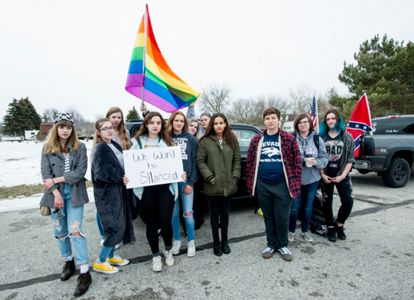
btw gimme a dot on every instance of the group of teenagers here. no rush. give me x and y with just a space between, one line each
283 171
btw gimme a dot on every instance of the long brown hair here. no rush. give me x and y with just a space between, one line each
97 139
228 135
53 145
299 118
170 128
125 142
162 134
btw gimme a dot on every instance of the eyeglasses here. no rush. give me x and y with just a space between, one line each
303 122
107 128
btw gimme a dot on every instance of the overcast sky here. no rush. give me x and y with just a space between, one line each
76 53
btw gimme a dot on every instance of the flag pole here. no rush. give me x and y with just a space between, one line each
317 116
144 54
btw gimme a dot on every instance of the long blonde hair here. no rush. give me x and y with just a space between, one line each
97 139
125 142
53 145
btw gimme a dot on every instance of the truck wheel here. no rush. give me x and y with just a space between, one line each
397 174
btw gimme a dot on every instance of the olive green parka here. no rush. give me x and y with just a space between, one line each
221 162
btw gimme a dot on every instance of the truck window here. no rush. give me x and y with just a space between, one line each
244 136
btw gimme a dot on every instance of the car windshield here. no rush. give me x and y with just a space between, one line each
244 136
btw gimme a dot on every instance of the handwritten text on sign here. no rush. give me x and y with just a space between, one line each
153 166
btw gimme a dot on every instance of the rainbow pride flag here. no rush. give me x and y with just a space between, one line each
149 76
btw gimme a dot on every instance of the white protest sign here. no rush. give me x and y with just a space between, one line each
153 166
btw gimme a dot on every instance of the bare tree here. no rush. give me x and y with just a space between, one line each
77 117
49 114
215 98
244 111
302 98
250 110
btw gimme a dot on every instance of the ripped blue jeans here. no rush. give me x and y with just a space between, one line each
67 221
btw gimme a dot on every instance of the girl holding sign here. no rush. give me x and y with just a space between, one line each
157 201
218 160
109 180
177 128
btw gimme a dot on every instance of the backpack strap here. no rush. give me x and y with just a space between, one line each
139 142
316 140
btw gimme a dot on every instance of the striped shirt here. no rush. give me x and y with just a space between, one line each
67 162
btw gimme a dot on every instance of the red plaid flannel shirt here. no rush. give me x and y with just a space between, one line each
291 161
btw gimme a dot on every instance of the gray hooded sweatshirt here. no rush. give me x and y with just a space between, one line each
307 146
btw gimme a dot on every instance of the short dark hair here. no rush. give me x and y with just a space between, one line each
207 114
270 111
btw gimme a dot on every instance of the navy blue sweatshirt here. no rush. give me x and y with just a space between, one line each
189 147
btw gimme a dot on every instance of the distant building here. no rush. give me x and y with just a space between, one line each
288 122
44 130
30 135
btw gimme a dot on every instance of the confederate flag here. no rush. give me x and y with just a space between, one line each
359 122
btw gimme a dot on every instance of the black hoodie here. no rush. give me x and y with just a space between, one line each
189 147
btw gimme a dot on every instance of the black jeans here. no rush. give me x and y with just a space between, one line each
200 206
275 201
219 214
157 206
345 194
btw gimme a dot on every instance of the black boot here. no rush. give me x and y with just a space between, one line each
225 248
340 232
84 281
331 234
217 250
68 270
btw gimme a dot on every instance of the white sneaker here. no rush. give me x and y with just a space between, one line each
169 259
291 236
176 247
156 264
307 237
191 249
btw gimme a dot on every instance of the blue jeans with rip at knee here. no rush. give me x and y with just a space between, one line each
305 200
187 200
66 222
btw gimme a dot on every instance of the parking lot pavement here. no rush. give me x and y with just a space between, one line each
375 262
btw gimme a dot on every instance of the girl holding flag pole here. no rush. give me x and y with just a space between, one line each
177 128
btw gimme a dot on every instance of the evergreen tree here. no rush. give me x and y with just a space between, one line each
384 70
133 115
21 115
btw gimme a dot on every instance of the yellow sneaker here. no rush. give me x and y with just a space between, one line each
117 261
260 212
104 267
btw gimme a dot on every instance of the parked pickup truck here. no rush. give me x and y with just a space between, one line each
244 134
390 150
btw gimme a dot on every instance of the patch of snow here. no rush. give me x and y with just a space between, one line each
20 163
17 204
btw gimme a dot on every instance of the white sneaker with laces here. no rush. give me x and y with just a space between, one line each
176 247
307 237
191 249
285 253
291 236
169 259
156 264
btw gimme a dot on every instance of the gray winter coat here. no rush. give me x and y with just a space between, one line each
52 166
